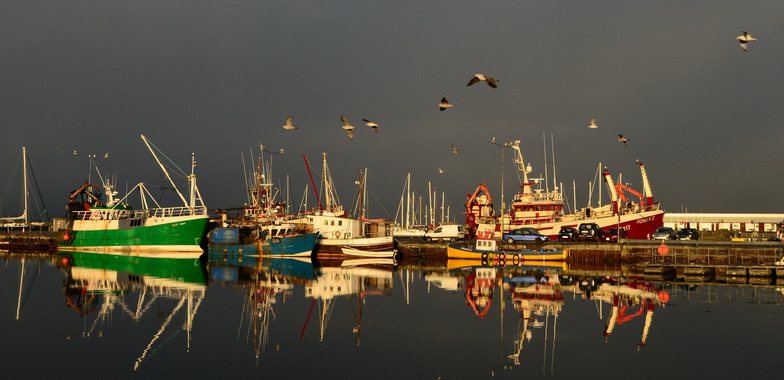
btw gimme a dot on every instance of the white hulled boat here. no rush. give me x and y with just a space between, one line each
337 230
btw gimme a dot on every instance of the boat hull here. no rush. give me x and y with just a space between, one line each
638 225
326 246
457 252
368 254
169 234
287 246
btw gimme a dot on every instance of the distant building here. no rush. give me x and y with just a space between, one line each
717 221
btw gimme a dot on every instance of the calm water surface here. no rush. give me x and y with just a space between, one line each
91 315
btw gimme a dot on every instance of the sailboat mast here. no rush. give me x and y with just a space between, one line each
24 183
552 152
442 207
408 201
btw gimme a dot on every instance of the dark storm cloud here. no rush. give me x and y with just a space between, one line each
217 79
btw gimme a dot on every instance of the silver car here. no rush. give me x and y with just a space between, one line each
664 233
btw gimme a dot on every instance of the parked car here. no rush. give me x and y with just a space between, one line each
590 231
614 233
451 232
568 233
664 233
688 234
525 234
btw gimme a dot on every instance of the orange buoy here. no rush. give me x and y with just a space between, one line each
66 236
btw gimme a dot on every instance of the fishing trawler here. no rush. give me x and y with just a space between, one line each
263 228
340 234
544 210
96 225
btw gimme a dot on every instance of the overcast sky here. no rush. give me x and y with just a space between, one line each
218 77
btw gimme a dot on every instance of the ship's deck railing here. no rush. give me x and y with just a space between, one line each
111 214
538 197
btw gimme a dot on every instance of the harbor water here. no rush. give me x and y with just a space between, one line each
77 315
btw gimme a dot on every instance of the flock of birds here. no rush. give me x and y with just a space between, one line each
492 82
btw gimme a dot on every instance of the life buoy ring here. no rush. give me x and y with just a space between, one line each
337 234
484 256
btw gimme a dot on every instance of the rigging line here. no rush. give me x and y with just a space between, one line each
242 318
182 174
373 193
35 180
10 179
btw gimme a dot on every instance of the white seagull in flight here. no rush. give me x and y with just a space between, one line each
455 150
289 124
371 125
746 37
622 139
481 77
444 104
348 127
593 124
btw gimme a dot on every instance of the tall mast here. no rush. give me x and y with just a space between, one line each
326 192
408 201
552 152
442 207
546 181
24 183
521 166
192 180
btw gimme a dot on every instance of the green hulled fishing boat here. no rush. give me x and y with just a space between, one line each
95 225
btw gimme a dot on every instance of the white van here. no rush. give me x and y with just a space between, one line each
449 232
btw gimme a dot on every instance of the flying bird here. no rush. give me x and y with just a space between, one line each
348 127
771 163
746 37
371 125
455 150
441 171
444 104
289 124
622 139
481 77
593 124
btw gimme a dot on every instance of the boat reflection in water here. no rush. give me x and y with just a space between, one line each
352 279
264 280
456 319
100 284
536 291
267 281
